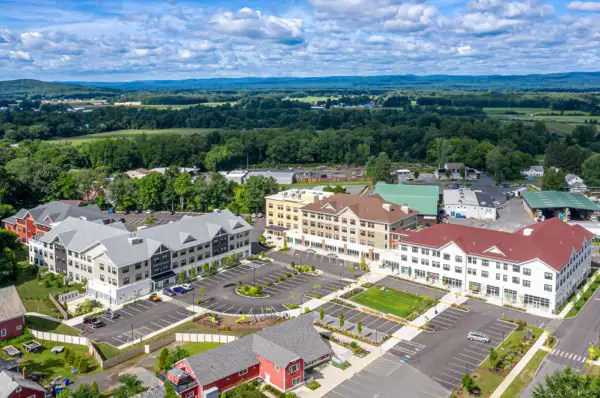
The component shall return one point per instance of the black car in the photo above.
(93, 322)
(169, 292)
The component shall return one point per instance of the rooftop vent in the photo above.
(527, 231)
(387, 207)
(134, 240)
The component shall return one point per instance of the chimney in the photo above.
(387, 207)
(527, 232)
(404, 209)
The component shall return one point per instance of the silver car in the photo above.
(478, 336)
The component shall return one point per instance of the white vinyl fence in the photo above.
(60, 338)
(204, 338)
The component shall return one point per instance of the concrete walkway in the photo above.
(519, 367)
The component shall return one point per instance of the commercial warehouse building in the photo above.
(540, 266)
(465, 203)
(566, 206)
(120, 266)
(424, 199)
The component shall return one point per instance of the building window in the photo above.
(189, 394)
(485, 263)
(458, 270)
(515, 279)
(526, 271)
(3, 332)
(458, 259)
(446, 267)
(296, 381)
(547, 288)
(293, 369)
(485, 274)
(526, 283)
(403, 247)
(446, 256)
(548, 275)
(243, 372)
(516, 268)
(415, 249)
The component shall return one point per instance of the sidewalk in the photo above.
(519, 367)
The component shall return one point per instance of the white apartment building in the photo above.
(120, 266)
(540, 266)
(465, 203)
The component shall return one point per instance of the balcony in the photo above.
(185, 384)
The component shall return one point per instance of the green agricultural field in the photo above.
(394, 302)
(128, 134)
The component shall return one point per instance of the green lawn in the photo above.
(519, 384)
(196, 348)
(129, 133)
(45, 325)
(393, 302)
(107, 351)
(51, 365)
(34, 293)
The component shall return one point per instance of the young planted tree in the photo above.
(359, 326)
(321, 314)
(342, 320)
(493, 358)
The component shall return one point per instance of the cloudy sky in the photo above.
(110, 40)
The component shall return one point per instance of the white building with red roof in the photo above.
(539, 267)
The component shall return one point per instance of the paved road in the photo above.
(574, 339)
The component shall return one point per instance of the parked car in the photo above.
(187, 287)
(168, 292)
(260, 215)
(93, 322)
(478, 336)
(154, 297)
(178, 289)
(109, 314)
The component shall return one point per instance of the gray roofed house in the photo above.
(10, 304)
(279, 345)
(10, 382)
(51, 213)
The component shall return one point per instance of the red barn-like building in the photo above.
(12, 313)
(14, 385)
(29, 224)
(279, 355)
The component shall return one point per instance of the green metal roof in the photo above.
(422, 198)
(555, 199)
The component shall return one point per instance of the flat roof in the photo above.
(422, 198)
(467, 197)
(555, 199)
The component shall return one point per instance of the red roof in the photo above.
(551, 241)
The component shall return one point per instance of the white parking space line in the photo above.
(477, 353)
(156, 324)
(146, 306)
(450, 315)
(118, 339)
(470, 357)
(478, 349)
(451, 376)
(173, 317)
(128, 313)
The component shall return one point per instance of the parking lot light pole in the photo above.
(132, 332)
(254, 276)
(193, 300)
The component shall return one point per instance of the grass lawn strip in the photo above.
(521, 382)
(585, 296)
(46, 325)
(196, 348)
(488, 380)
(393, 302)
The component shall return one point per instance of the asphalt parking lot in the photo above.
(373, 327)
(331, 265)
(135, 321)
(432, 364)
(218, 291)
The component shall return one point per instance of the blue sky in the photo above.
(110, 40)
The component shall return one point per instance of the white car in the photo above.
(478, 336)
(187, 287)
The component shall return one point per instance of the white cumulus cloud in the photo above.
(593, 6)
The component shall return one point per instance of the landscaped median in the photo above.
(584, 298)
(525, 377)
(500, 362)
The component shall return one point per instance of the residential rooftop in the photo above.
(10, 304)
(467, 197)
(299, 195)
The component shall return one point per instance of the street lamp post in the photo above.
(254, 276)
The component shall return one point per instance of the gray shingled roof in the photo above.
(223, 361)
(58, 212)
(121, 252)
(77, 235)
(10, 303)
(9, 381)
(191, 231)
(280, 344)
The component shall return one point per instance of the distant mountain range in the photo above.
(28, 88)
(575, 81)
